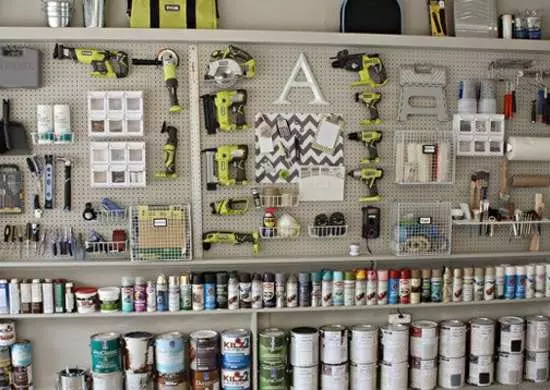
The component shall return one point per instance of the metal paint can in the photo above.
(364, 344)
(7, 333)
(5, 377)
(536, 366)
(73, 379)
(334, 344)
(236, 379)
(304, 347)
(481, 370)
(204, 350)
(452, 336)
(235, 348)
(205, 380)
(5, 358)
(509, 368)
(423, 374)
(334, 376)
(305, 378)
(172, 381)
(482, 337)
(452, 372)
(394, 343)
(273, 349)
(394, 376)
(537, 337)
(21, 377)
(138, 380)
(273, 377)
(363, 376)
(512, 334)
(21, 353)
(170, 353)
(138, 352)
(112, 381)
(106, 354)
(424, 340)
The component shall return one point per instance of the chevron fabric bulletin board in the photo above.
(284, 158)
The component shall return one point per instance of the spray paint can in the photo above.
(162, 293)
(457, 285)
(14, 297)
(426, 286)
(221, 290)
(500, 282)
(530, 281)
(26, 296)
(521, 281)
(48, 296)
(468, 285)
(372, 287)
(509, 282)
(437, 284)
(173, 293)
(479, 284)
(245, 291)
(140, 295)
(382, 288)
(304, 289)
(482, 337)
(326, 288)
(316, 289)
(69, 298)
(233, 291)
(393, 287)
(280, 289)
(209, 291)
(338, 288)
(540, 280)
(490, 282)
(151, 296)
(37, 305)
(269, 297)
(547, 283)
(257, 291)
(405, 286)
(186, 292)
(197, 288)
(416, 286)
(292, 291)
(361, 288)
(447, 291)
(127, 294)
(349, 288)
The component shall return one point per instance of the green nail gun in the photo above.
(225, 166)
(233, 238)
(371, 100)
(230, 206)
(224, 111)
(105, 63)
(169, 150)
(369, 66)
(369, 176)
(371, 140)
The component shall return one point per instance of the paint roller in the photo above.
(528, 148)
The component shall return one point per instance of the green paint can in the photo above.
(106, 353)
(273, 347)
(273, 377)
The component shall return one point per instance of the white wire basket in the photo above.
(422, 229)
(327, 232)
(277, 233)
(112, 216)
(285, 199)
(105, 247)
(160, 233)
(424, 157)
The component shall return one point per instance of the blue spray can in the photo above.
(510, 282)
(162, 293)
(521, 280)
(210, 291)
(436, 285)
(338, 288)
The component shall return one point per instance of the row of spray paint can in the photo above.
(15, 359)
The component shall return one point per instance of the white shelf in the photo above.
(499, 223)
(301, 38)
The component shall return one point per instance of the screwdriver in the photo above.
(28, 236)
(20, 238)
(35, 236)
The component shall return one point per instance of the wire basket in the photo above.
(106, 247)
(326, 232)
(160, 233)
(422, 229)
(424, 157)
(278, 233)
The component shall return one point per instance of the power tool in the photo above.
(105, 63)
(169, 150)
(370, 139)
(230, 206)
(369, 66)
(233, 238)
(225, 166)
(229, 64)
(371, 100)
(169, 60)
(369, 176)
(224, 111)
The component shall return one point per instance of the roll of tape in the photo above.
(528, 148)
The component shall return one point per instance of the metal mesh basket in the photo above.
(160, 233)
(422, 229)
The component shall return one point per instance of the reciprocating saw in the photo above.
(105, 63)
(371, 140)
(369, 176)
(224, 111)
(369, 66)
(370, 100)
(233, 238)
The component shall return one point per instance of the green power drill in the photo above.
(169, 150)
(105, 63)
(371, 140)
(369, 176)
(369, 66)
(224, 111)
(371, 100)
(233, 238)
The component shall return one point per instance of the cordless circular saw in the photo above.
(228, 65)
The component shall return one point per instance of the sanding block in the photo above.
(19, 67)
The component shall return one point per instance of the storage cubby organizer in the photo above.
(115, 114)
(117, 164)
(424, 157)
(479, 135)
(422, 229)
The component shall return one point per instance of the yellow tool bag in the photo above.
(173, 13)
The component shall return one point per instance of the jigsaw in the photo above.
(230, 64)
(230, 206)
(226, 166)
(105, 63)
(369, 66)
(233, 238)
(224, 111)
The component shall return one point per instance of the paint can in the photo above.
(86, 299)
(273, 348)
(305, 378)
(235, 348)
(273, 377)
(106, 354)
(7, 333)
(21, 377)
(452, 334)
(21, 353)
(236, 379)
(394, 376)
(364, 344)
(109, 299)
(138, 380)
(512, 334)
(5, 358)
(509, 368)
(304, 347)
(204, 350)
(172, 381)
(394, 343)
(138, 352)
(424, 340)
(112, 381)
(536, 366)
(334, 344)
(363, 376)
(170, 353)
(73, 379)
(5, 377)
(482, 337)
(481, 370)
(452, 372)
(334, 376)
(205, 380)
(423, 374)
(537, 337)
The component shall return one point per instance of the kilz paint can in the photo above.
(512, 334)
(363, 376)
(273, 377)
(482, 337)
(273, 347)
(112, 381)
(205, 380)
(236, 379)
(204, 350)
(235, 348)
(536, 366)
(364, 344)
(334, 344)
(304, 347)
(138, 380)
(423, 374)
(424, 340)
(452, 372)
(106, 353)
(305, 378)
(394, 343)
(537, 338)
(334, 376)
(138, 351)
(481, 370)
(172, 381)
(7, 333)
(170, 353)
(509, 368)
(394, 376)
(452, 336)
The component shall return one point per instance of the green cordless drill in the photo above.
(371, 100)
(371, 140)
(369, 176)
(369, 66)
(233, 238)
(105, 63)
(169, 150)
